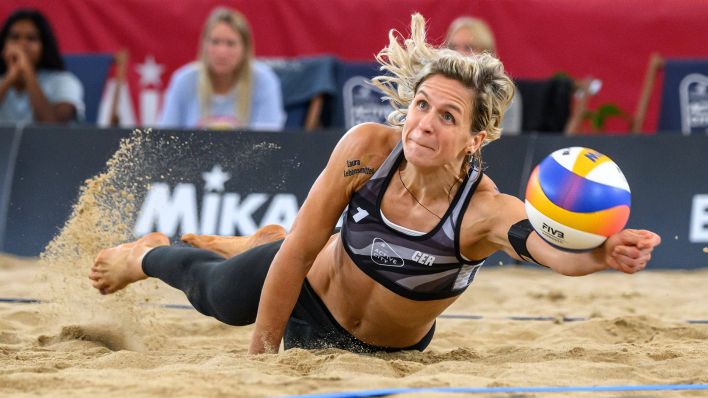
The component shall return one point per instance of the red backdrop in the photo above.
(608, 39)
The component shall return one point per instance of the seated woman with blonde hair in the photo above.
(225, 88)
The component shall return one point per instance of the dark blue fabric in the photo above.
(302, 79)
(365, 103)
(684, 93)
(92, 71)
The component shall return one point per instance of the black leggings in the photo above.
(230, 289)
(226, 289)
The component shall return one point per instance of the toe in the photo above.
(157, 238)
(110, 289)
(99, 284)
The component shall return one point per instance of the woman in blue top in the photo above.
(225, 88)
(422, 217)
(34, 87)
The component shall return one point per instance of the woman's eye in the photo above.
(422, 104)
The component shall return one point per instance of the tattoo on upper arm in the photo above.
(354, 167)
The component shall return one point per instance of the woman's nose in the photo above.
(427, 121)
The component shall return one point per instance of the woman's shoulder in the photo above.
(60, 83)
(262, 70)
(260, 67)
(373, 136)
(263, 73)
(186, 73)
(51, 75)
(369, 143)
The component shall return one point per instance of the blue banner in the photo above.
(684, 99)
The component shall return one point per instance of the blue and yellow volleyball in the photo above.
(576, 198)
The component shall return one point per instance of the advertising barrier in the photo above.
(232, 183)
(9, 143)
(51, 166)
(684, 97)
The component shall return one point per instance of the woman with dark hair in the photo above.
(34, 87)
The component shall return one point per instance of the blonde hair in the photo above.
(243, 76)
(410, 64)
(482, 34)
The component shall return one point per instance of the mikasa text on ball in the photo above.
(576, 198)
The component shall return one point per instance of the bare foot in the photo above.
(117, 267)
(229, 246)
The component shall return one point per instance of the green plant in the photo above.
(598, 118)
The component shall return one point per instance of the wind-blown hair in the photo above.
(410, 64)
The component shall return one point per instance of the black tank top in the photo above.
(425, 267)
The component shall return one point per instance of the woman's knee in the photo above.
(233, 303)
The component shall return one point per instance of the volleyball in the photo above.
(576, 198)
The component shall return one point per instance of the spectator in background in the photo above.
(469, 36)
(34, 87)
(225, 88)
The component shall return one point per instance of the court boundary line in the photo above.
(539, 318)
(472, 317)
(497, 390)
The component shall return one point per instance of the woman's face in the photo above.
(437, 127)
(463, 41)
(25, 35)
(224, 50)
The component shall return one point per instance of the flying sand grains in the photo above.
(102, 217)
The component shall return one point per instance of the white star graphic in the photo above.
(215, 179)
(150, 72)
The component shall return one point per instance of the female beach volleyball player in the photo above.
(421, 218)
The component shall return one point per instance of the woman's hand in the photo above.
(18, 63)
(10, 54)
(629, 250)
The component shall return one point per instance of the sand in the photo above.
(77, 343)
(635, 333)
